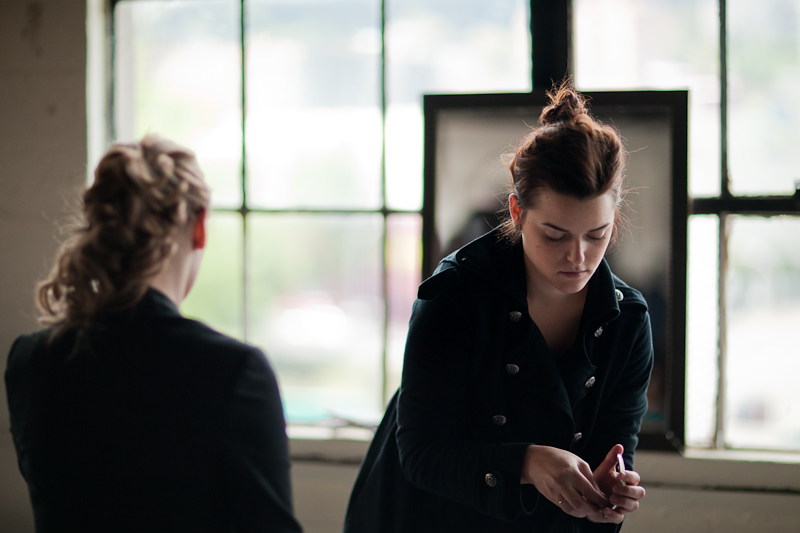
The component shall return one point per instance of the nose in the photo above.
(576, 252)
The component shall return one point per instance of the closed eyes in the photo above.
(592, 238)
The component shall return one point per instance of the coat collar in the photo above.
(108, 325)
(495, 260)
(158, 303)
(500, 263)
(153, 303)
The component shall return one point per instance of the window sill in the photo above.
(328, 450)
(696, 470)
(721, 470)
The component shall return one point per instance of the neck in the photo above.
(169, 282)
(553, 298)
(175, 277)
(179, 271)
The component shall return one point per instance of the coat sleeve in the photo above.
(433, 437)
(256, 452)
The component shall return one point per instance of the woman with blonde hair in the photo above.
(127, 416)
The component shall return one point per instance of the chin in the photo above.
(572, 286)
(572, 289)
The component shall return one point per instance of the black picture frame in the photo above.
(465, 136)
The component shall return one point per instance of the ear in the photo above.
(199, 231)
(514, 209)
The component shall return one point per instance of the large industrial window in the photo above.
(741, 61)
(306, 117)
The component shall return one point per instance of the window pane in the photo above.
(313, 108)
(764, 95)
(445, 46)
(404, 266)
(763, 310)
(657, 44)
(315, 306)
(177, 73)
(702, 321)
(217, 296)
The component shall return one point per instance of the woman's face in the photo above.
(564, 239)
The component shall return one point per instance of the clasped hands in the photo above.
(567, 480)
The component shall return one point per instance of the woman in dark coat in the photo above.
(126, 416)
(527, 361)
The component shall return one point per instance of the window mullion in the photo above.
(243, 210)
(719, 430)
(723, 100)
(722, 355)
(385, 240)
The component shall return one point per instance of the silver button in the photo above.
(498, 420)
(514, 316)
(590, 382)
(490, 480)
(599, 331)
(577, 436)
(512, 369)
(620, 296)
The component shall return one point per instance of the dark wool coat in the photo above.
(165, 425)
(479, 386)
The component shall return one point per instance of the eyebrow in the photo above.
(549, 225)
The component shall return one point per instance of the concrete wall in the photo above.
(42, 161)
(43, 153)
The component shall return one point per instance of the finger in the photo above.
(606, 516)
(564, 505)
(632, 492)
(610, 461)
(579, 505)
(595, 497)
(630, 477)
(626, 498)
(587, 489)
(598, 517)
(612, 516)
(623, 504)
(575, 505)
(586, 470)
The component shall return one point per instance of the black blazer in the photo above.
(158, 423)
(479, 386)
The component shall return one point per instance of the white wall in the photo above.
(43, 162)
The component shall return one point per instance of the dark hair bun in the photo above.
(569, 153)
(565, 105)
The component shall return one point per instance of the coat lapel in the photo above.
(543, 379)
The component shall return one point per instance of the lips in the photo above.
(573, 274)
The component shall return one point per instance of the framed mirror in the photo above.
(466, 181)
